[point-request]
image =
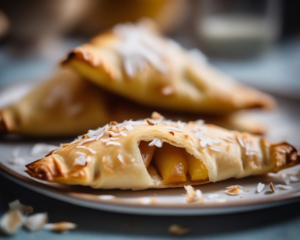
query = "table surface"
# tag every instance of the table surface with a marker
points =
(274, 223)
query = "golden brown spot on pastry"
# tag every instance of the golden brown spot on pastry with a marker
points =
(150, 122)
(285, 155)
(171, 163)
(146, 152)
(156, 115)
(172, 133)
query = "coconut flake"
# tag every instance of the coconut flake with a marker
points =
(92, 150)
(178, 230)
(113, 143)
(109, 139)
(215, 149)
(11, 221)
(17, 205)
(80, 160)
(157, 142)
(81, 147)
(227, 139)
(286, 179)
(294, 179)
(283, 187)
(36, 221)
(123, 134)
(174, 128)
(60, 227)
(120, 157)
(42, 148)
(129, 127)
(88, 140)
(260, 187)
(106, 197)
(133, 160)
(240, 141)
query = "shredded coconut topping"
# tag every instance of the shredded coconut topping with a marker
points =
(92, 150)
(157, 142)
(80, 160)
(227, 139)
(240, 141)
(141, 46)
(113, 143)
(120, 157)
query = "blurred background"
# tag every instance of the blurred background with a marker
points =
(255, 41)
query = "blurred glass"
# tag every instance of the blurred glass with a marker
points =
(237, 28)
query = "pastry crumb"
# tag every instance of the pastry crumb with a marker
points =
(193, 196)
(241, 196)
(233, 191)
(178, 230)
(247, 190)
(150, 122)
(271, 187)
(156, 116)
(60, 227)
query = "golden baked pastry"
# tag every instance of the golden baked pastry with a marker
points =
(157, 153)
(67, 105)
(135, 62)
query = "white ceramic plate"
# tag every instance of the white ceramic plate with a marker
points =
(169, 201)
(282, 125)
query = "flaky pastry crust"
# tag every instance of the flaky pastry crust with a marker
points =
(140, 65)
(109, 157)
(68, 105)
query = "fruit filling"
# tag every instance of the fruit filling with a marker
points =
(172, 163)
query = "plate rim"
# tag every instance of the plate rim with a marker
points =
(118, 205)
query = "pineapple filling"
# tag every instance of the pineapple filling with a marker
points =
(173, 164)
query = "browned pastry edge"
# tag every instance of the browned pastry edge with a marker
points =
(292, 156)
(39, 169)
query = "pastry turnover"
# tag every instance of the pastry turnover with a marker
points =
(137, 63)
(67, 105)
(157, 153)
